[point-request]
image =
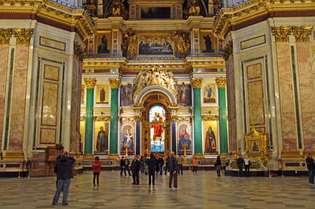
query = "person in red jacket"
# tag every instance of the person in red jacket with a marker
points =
(96, 167)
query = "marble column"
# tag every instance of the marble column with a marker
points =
(196, 84)
(221, 82)
(114, 83)
(89, 119)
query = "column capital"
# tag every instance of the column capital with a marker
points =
(5, 35)
(302, 33)
(196, 82)
(281, 33)
(90, 83)
(23, 35)
(114, 83)
(221, 82)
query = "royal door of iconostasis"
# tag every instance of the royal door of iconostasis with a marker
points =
(155, 119)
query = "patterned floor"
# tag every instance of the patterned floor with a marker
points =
(201, 191)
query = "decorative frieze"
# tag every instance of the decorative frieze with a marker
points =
(90, 83)
(196, 82)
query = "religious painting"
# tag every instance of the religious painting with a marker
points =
(209, 94)
(103, 43)
(155, 47)
(184, 146)
(157, 128)
(101, 134)
(184, 94)
(126, 94)
(207, 42)
(210, 137)
(156, 13)
(127, 139)
(102, 93)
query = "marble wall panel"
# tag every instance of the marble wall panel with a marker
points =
(307, 96)
(17, 114)
(288, 122)
(4, 50)
(231, 105)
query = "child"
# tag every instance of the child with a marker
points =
(96, 167)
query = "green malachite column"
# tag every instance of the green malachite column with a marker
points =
(89, 119)
(114, 83)
(222, 115)
(196, 83)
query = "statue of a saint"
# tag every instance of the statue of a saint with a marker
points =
(102, 48)
(102, 143)
(208, 43)
(210, 145)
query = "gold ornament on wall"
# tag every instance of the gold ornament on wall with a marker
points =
(196, 82)
(114, 83)
(5, 35)
(281, 33)
(23, 35)
(90, 83)
(221, 82)
(302, 33)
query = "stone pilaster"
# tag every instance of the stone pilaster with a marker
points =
(196, 84)
(114, 83)
(89, 118)
(221, 83)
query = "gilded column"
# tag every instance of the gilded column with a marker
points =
(221, 82)
(196, 84)
(89, 119)
(114, 83)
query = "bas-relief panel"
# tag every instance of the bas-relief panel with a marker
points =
(101, 137)
(49, 105)
(127, 138)
(184, 140)
(102, 94)
(17, 115)
(288, 122)
(3, 72)
(210, 137)
(307, 96)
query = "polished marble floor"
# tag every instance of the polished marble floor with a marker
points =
(201, 191)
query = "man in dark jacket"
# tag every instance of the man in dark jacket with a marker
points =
(173, 168)
(161, 163)
(135, 169)
(240, 163)
(310, 167)
(123, 166)
(152, 168)
(64, 166)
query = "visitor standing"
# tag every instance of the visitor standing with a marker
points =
(310, 167)
(247, 165)
(64, 166)
(240, 164)
(96, 167)
(173, 168)
(127, 166)
(166, 165)
(218, 165)
(135, 169)
(180, 165)
(122, 166)
(161, 164)
(152, 168)
(194, 163)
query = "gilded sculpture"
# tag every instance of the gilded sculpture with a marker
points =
(194, 8)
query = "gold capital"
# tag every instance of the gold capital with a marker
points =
(23, 35)
(302, 33)
(5, 35)
(114, 83)
(281, 33)
(90, 82)
(196, 82)
(221, 82)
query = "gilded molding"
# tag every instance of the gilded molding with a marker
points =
(302, 33)
(221, 82)
(22, 35)
(5, 35)
(114, 83)
(281, 33)
(196, 82)
(90, 83)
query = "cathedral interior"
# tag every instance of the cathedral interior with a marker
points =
(199, 78)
